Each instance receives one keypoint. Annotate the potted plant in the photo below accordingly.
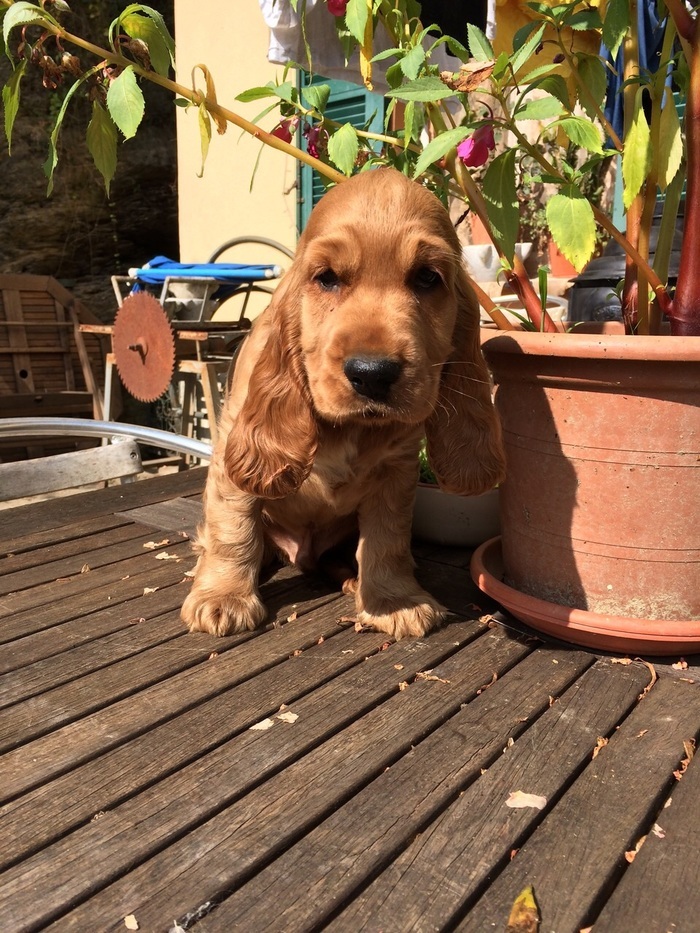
(558, 547)
(444, 518)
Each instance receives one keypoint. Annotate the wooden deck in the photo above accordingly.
(309, 776)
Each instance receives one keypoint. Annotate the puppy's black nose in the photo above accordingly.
(372, 377)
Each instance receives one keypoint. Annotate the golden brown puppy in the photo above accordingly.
(370, 343)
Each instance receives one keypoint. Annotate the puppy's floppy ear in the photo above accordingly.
(271, 447)
(463, 433)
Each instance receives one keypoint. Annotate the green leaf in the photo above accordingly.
(527, 50)
(616, 24)
(479, 46)
(52, 158)
(356, 19)
(499, 191)
(101, 141)
(582, 133)
(255, 93)
(572, 224)
(286, 91)
(316, 96)
(557, 87)
(636, 156)
(521, 36)
(125, 102)
(540, 108)
(204, 121)
(439, 147)
(10, 101)
(584, 20)
(154, 16)
(593, 75)
(343, 148)
(670, 142)
(22, 14)
(412, 62)
(424, 89)
(144, 28)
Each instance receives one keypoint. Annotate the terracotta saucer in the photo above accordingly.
(590, 629)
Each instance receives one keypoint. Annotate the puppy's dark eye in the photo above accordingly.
(425, 278)
(328, 280)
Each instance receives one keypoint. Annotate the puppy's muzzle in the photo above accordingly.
(372, 377)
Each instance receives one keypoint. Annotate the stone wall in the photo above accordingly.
(79, 234)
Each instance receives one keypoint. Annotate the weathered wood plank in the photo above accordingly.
(447, 866)
(106, 671)
(96, 551)
(327, 866)
(33, 540)
(660, 890)
(578, 851)
(132, 830)
(43, 516)
(222, 852)
(41, 760)
(176, 513)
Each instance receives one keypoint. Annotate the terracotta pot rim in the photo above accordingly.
(590, 629)
(596, 346)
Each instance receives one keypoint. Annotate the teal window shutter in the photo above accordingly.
(348, 103)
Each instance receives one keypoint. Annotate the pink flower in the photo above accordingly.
(474, 151)
(285, 129)
(314, 139)
(337, 7)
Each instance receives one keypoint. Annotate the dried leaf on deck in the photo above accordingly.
(654, 678)
(85, 568)
(263, 725)
(689, 748)
(681, 665)
(524, 915)
(288, 716)
(164, 555)
(292, 617)
(519, 800)
(601, 743)
(493, 680)
(152, 545)
(621, 660)
(428, 675)
(131, 923)
(658, 831)
(150, 589)
(632, 853)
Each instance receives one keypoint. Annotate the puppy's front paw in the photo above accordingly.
(222, 615)
(414, 620)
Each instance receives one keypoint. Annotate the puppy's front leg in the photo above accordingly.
(388, 596)
(224, 597)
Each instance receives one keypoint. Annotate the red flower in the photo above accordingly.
(337, 7)
(314, 139)
(285, 129)
(474, 151)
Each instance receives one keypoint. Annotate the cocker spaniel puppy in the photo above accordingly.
(370, 343)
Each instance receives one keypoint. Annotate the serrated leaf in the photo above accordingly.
(584, 20)
(439, 147)
(125, 102)
(204, 121)
(412, 62)
(22, 14)
(522, 35)
(424, 90)
(593, 75)
(540, 108)
(499, 191)
(316, 96)
(582, 133)
(636, 156)
(255, 93)
(479, 46)
(670, 143)
(157, 19)
(10, 101)
(616, 24)
(356, 18)
(527, 49)
(101, 141)
(138, 26)
(343, 147)
(52, 158)
(556, 86)
(572, 224)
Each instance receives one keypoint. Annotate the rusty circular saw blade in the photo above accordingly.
(143, 344)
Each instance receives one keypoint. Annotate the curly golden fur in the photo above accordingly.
(370, 343)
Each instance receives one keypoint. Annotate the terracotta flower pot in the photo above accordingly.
(600, 511)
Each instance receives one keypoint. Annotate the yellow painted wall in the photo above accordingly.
(231, 39)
